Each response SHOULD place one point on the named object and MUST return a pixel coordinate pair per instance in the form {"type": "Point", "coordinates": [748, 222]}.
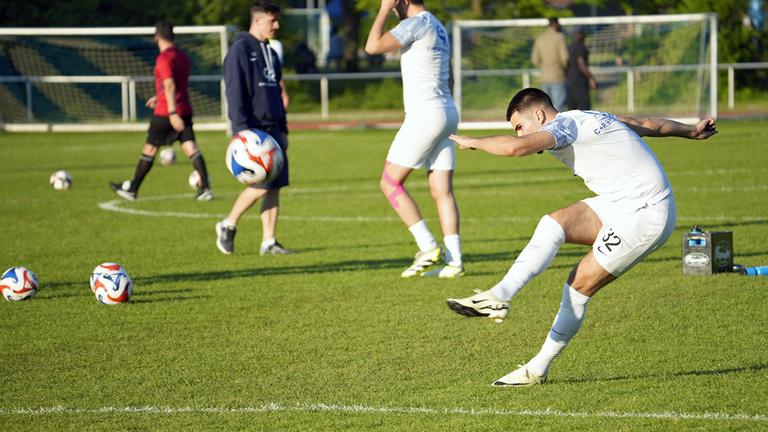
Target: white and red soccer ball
{"type": "Point", "coordinates": [18, 283]}
{"type": "Point", "coordinates": [111, 284]}
{"type": "Point", "coordinates": [254, 157]}
{"type": "Point", "coordinates": [196, 181]}
{"type": "Point", "coordinates": [167, 156]}
{"type": "Point", "coordinates": [61, 180]}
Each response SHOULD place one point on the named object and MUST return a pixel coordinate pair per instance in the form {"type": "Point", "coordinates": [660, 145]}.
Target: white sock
{"type": "Point", "coordinates": [268, 242]}
{"type": "Point", "coordinates": [423, 236]}
{"type": "Point", "coordinates": [227, 223]}
{"type": "Point", "coordinates": [536, 256]}
{"type": "Point", "coordinates": [567, 322]}
{"type": "Point", "coordinates": [452, 249]}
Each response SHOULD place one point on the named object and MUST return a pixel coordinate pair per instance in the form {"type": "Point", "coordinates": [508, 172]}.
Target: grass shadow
{"type": "Point", "coordinates": [138, 299]}
{"type": "Point", "coordinates": [711, 372]}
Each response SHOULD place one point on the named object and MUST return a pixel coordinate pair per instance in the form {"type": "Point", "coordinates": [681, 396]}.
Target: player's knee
{"type": "Point", "coordinates": [149, 150]}
{"type": "Point", "coordinates": [190, 149]}
{"type": "Point", "coordinates": [441, 193]}
{"type": "Point", "coordinates": [389, 184]}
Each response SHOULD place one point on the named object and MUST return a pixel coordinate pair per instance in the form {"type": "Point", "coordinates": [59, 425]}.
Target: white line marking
{"type": "Point", "coordinates": [115, 206]}
{"type": "Point", "coordinates": [364, 409]}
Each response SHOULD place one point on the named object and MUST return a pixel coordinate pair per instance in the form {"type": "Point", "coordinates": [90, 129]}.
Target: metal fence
{"type": "Point", "coordinates": [128, 99]}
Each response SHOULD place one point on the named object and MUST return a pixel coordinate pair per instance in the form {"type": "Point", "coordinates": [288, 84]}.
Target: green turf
{"type": "Point", "coordinates": [332, 338]}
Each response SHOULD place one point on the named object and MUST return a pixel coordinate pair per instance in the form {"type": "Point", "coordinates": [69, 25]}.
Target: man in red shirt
{"type": "Point", "coordinates": [172, 116]}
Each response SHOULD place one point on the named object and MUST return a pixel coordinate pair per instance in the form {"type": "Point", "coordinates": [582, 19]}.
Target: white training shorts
{"type": "Point", "coordinates": [629, 235]}
{"type": "Point", "coordinates": [423, 140]}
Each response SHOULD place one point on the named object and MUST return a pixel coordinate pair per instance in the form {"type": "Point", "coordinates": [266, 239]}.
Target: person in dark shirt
{"type": "Point", "coordinates": [172, 116]}
{"type": "Point", "coordinates": [578, 77]}
{"type": "Point", "coordinates": [256, 98]}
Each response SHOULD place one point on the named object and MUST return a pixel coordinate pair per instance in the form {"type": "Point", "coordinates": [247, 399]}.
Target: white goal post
{"type": "Point", "coordinates": [663, 65]}
{"type": "Point", "coordinates": [89, 79]}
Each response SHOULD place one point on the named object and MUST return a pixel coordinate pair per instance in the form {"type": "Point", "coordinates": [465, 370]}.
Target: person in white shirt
{"type": "Point", "coordinates": [422, 141]}
{"type": "Point", "coordinates": [632, 214]}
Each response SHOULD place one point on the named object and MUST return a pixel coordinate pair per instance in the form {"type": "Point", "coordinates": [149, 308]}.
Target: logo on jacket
{"type": "Point", "coordinates": [269, 74]}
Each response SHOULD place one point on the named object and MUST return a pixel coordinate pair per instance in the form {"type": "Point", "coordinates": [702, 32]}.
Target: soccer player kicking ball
{"type": "Point", "coordinates": [632, 214]}
{"type": "Point", "coordinates": [422, 141]}
{"type": "Point", "coordinates": [172, 116]}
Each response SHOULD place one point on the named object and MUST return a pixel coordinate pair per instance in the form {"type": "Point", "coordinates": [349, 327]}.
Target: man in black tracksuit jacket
{"type": "Point", "coordinates": [256, 98]}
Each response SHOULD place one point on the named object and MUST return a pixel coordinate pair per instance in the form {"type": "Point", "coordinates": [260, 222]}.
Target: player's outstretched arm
{"type": "Point", "coordinates": [507, 145]}
{"type": "Point", "coordinates": [666, 127]}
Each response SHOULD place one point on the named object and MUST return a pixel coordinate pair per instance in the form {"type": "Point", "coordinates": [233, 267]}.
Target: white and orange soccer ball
{"type": "Point", "coordinates": [61, 180]}
{"type": "Point", "coordinates": [18, 283]}
{"type": "Point", "coordinates": [254, 157]}
{"type": "Point", "coordinates": [111, 284]}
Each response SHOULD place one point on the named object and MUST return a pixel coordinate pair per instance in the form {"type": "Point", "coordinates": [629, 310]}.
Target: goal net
{"type": "Point", "coordinates": [662, 65]}
{"type": "Point", "coordinates": [101, 77]}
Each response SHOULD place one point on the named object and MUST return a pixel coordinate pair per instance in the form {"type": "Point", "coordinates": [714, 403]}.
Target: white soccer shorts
{"type": "Point", "coordinates": [423, 140]}
{"type": "Point", "coordinates": [628, 236]}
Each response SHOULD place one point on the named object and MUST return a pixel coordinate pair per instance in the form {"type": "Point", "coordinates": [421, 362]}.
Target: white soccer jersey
{"type": "Point", "coordinates": [613, 160]}
{"type": "Point", "coordinates": [424, 62]}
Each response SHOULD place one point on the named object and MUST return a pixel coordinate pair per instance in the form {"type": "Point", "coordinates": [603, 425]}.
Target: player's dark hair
{"type": "Point", "coordinates": [418, 2]}
{"type": "Point", "coordinates": [553, 20]}
{"type": "Point", "coordinates": [527, 98]}
{"type": "Point", "coordinates": [164, 29]}
{"type": "Point", "coordinates": [265, 6]}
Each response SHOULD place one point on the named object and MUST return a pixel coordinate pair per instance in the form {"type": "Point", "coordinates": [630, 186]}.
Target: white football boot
{"type": "Point", "coordinates": [422, 261]}
{"type": "Point", "coordinates": [481, 304]}
{"type": "Point", "coordinates": [520, 377]}
{"type": "Point", "coordinates": [446, 271]}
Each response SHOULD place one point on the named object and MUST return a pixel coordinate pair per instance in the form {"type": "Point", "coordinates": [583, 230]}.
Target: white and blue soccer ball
{"type": "Point", "coordinates": [101, 269]}
{"type": "Point", "coordinates": [61, 180]}
{"type": "Point", "coordinates": [18, 283]}
{"type": "Point", "coordinates": [112, 286]}
{"type": "Point", "coordinates": [254, 157]}
{"type": "Point", "coordinates": [167, 156]}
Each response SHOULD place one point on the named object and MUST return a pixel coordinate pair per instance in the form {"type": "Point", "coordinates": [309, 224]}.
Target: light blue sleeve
{"type": "Point", "coordinates": [409, 30]}
{"type": "Point", "coordinates": [565, 131]}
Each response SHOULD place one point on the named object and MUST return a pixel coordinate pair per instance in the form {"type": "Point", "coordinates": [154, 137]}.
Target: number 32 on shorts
{"type": "Point", "coordinates": [609, 242]}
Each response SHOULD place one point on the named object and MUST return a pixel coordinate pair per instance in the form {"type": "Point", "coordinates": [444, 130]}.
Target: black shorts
{"type": "Point", "coordinates": [282, 140]}
{"type": "Point", "coordinates": [162, 133]}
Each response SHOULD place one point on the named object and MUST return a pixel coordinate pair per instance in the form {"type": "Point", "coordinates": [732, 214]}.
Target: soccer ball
{"type": "Point", "coordinates": [61, 180]}
{"type": "Point", "coordinates": [18, 283]}
{"type": "Point", "coordinates": [167, 156]}
{"type": "Point", "coordinates": [254, 157]}
{"type": "Point", "coordinates": [101, 269]}
{"type": "Point", "coordinates": [113, 286]}
{"type": "Point", "coordinates": [195, 181]}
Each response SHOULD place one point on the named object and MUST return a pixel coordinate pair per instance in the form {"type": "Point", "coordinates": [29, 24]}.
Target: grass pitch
{"type": "Point", "coordinates": [332, 338]}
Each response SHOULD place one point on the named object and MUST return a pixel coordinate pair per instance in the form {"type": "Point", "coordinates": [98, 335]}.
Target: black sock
{"type": "Point", "coordinates": [199, 163]}
{"type": "Point", "coordinates": [142, 168]}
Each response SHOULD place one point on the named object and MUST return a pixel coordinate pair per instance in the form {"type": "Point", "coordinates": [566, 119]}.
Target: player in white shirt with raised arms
{"type": "Point", "coordinates": [632, 214]}
{"type": "Point", "coordinates": [422, 141]}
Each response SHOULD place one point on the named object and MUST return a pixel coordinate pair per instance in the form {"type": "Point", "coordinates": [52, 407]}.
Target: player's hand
{"type": "Point", "coordinates": [592, 84]}
{"type": "Point", "coordinates": [151, 102]}
{"type": "Point", "coordinates": [704, 129]}
{"type": "Point", "coordinates": [176, 122]}
{"type": "Point", "coordinates": [388, 5]}
{"type": "Point", "coordinates": [286, 99]}
{"type": "Point", "coordinates": [464, 142]}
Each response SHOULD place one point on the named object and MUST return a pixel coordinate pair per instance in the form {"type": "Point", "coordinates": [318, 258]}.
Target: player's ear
{"type": "Point", "coordinates": [540, 115]}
